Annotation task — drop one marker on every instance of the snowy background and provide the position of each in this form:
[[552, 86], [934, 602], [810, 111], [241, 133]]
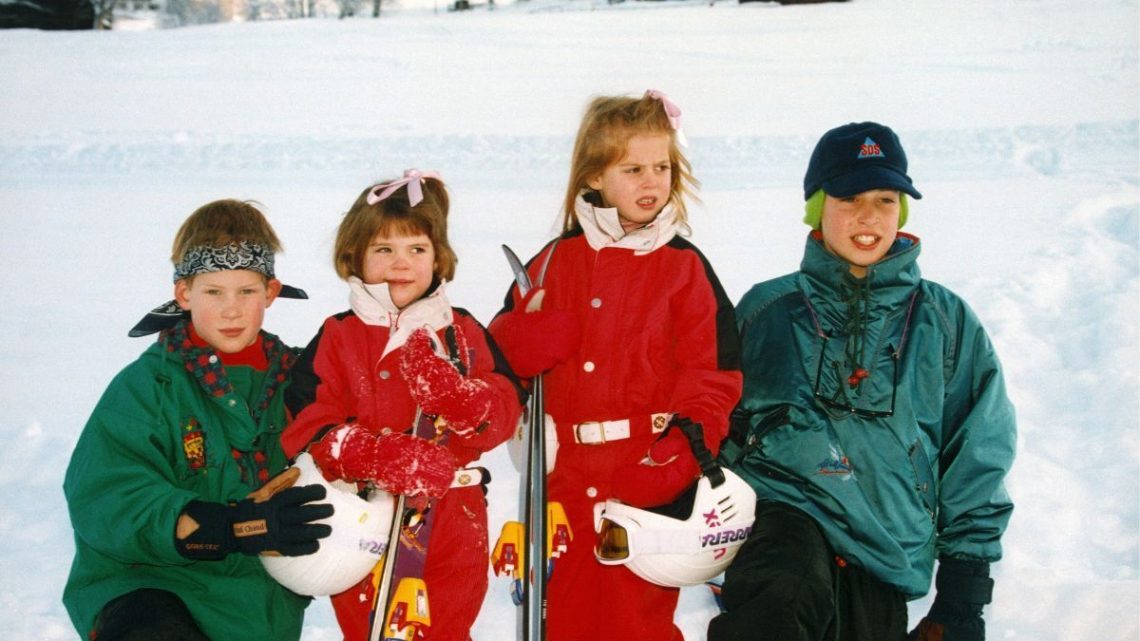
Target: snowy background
[[1020, 118]]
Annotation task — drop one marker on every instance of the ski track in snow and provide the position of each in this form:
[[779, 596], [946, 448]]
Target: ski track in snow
[[989, 153]]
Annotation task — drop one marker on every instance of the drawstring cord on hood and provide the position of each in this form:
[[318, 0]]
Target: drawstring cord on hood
[[856, 293]]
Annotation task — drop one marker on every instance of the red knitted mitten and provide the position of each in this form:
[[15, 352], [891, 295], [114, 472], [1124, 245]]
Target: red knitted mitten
[[440, 390], [397, 463]]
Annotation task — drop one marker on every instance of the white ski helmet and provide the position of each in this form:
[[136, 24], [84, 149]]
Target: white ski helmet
[[359, 537], [684, 543]]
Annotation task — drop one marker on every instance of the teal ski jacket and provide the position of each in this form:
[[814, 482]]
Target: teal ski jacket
[[173, 427], [877, 406]]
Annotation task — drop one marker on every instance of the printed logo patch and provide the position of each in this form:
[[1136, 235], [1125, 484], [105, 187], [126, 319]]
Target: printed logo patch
[[837, 465], [194, 443], [256, 527], [721, 537], [871, 149]]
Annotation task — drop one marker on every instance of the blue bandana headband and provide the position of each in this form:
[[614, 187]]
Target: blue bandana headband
[[204, 259]]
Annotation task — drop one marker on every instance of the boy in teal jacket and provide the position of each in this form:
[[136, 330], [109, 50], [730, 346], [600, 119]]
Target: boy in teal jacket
[[874, 426], [161, 484]]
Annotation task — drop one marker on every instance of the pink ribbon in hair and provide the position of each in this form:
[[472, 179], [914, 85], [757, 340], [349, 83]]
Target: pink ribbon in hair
[[413, 178], [671, 108], [672, 111]]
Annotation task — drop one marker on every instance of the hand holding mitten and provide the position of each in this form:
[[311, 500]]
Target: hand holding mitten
[[397, 463], [440, 389]]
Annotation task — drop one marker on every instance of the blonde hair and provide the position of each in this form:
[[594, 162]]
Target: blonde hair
[[224, 222], [603, 138], [395, 215]]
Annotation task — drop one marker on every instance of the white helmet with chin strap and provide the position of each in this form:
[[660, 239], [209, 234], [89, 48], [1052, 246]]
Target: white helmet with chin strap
[[686, 542], [359, 537]]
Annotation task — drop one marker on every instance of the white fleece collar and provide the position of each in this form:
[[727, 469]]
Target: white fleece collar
[[602, 228], [373, 305]]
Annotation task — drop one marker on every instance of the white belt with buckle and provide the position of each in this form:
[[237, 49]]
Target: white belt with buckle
[[598, 432]]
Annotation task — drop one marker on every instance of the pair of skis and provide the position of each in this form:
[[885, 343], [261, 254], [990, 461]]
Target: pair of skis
[[524, 550]]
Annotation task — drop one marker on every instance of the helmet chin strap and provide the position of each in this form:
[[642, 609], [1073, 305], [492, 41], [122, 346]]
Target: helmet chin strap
[[696, 434]]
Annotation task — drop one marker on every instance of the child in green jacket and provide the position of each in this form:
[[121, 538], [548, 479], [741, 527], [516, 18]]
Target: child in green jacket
[[874, 425], [161, 484]]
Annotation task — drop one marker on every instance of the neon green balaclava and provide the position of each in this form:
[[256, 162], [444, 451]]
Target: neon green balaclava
[[813, 209]]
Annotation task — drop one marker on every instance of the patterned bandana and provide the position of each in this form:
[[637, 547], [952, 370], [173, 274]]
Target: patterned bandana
[[204, 259]]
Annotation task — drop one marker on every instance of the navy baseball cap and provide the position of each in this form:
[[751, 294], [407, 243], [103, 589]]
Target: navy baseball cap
[[855, 158]]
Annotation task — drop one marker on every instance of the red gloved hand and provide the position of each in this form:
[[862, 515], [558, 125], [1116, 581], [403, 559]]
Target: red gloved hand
[[440, 390], [668, 470], [397, 463], [534, 340]]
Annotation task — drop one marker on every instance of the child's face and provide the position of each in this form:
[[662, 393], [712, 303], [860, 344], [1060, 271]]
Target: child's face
[[227, 307], [638, 184], [406, 263], [860, 229]]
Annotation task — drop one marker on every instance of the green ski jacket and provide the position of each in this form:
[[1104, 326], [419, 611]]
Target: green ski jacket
[[877, 406], [172, 428]]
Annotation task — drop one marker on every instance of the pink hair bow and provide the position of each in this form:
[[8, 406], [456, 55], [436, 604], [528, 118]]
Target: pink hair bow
[[671, 110], [413, 178]]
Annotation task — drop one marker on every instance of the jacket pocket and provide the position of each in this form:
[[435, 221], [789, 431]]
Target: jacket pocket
[[924, 477], [743, 438]]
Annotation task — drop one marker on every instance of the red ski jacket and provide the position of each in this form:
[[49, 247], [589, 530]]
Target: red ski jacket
[[658, 335], [341, 377]]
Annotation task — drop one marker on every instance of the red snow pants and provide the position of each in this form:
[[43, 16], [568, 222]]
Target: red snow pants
[[455, 572], [588, 601]]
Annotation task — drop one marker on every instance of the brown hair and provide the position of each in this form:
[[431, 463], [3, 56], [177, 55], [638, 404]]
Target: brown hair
[[222, 222], [607, 126], [395, 214]]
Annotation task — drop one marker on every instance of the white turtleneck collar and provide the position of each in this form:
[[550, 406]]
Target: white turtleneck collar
[[373, 305], [602, 227]]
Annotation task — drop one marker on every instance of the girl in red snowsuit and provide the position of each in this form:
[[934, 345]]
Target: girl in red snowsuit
[[356, 389], [634, 329]]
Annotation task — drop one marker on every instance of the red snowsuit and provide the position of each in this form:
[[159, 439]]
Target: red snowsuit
[[658, 336], [342, 377]]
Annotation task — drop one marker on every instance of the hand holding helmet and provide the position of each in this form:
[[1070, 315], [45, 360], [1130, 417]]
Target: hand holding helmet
[[669, 468], [359, 538], [690, 540], [283, 523]]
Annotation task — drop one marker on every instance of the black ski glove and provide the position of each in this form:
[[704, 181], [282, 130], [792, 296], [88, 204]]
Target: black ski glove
[[282, 524], [963, 587]]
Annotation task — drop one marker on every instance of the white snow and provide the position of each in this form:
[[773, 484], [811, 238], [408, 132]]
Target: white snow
[[1020, 118]]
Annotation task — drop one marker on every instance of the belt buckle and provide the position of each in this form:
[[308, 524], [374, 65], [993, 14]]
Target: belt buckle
[[601, 432]]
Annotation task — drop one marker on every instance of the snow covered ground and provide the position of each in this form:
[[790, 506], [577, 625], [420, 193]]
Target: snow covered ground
[[1020, 118]]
